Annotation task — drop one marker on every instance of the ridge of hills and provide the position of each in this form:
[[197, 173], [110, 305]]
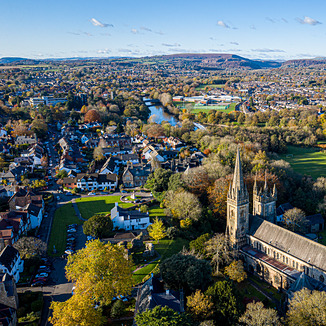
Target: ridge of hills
[[209, 61]]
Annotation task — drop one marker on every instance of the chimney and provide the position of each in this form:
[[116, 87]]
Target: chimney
[[116, 204], [149, 298], [167, 292], [151, 287]]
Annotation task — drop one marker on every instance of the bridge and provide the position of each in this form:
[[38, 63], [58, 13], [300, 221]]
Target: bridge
[[148, 100]]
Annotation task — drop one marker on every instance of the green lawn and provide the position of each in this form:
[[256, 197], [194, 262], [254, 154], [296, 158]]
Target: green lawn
[[156, 211], [165, 248], [229, 109], [63, 216], [89, 206], [306, 160], [202, 87]]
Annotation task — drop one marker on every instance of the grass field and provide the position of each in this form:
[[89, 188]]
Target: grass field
[[166, 248], [156, 211], [89, 206], [63, 216], [202, 87], [230, 108], [310, 160]]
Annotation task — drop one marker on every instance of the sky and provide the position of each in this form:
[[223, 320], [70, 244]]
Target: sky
[[277, 30]]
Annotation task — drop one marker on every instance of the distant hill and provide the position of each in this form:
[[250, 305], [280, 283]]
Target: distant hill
[[205, 61], [220, 61], [14, 60], [304, 62]]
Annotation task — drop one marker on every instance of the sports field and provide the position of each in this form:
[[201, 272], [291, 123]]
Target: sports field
[[206, 109], [202, 87], [307, 160]]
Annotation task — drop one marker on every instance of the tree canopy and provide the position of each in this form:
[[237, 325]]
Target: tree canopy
[[162, 316], [98, 226], [185, 271]]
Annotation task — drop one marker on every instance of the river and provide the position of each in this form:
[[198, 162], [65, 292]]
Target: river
[[158, 114]]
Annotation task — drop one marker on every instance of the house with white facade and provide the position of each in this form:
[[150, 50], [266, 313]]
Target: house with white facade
[[129, 220], [10, 262]]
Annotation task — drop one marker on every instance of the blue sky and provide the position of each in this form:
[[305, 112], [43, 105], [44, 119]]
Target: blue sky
[[101, 28]]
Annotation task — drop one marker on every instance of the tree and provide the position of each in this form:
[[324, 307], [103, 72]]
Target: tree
[[78, 310], [200, 305], [176, 182], [186, 271], [101, 271], [257, 315], [118, 309], [226, 310], [199, 244], [92, 116], [157, 230], [158, 180], [98, 226], [218, 250], [307, 308], [30, 246], [162, 316], [295, 220], [235, 271], [183, 205], [98, 154], [61, 174]]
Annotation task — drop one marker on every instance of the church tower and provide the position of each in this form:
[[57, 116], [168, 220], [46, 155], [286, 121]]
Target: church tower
[[264, 202], [237, 208]]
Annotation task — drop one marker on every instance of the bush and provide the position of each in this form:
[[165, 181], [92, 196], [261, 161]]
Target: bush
[[29, 318], [37, 305], [172, 232], [117, 309]]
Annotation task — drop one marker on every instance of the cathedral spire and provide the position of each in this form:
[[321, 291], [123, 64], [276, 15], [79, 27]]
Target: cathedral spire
[[255, 190], [237, 184], [265, 185], [238, 190]]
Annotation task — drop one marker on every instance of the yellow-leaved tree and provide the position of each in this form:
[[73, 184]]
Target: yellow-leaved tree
[[100, 272], [157, 230], [200, 305], [235, 271]]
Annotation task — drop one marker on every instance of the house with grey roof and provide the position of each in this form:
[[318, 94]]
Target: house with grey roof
[[10, 262], [128, 219]]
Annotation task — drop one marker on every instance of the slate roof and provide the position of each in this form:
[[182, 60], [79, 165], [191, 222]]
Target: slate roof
[[289, 242], [152, 294], [6, 315], [8, 257], [283, 208], [315, 219], [127, 214]]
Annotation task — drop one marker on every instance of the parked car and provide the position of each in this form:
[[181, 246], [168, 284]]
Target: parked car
[[44, 270], [42, 275], [69, 252], [72, 231], [39, 279], [38, 283], [91, 194]]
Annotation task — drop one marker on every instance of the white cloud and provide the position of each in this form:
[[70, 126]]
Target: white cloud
[[105, 51], [308, 20], [134, 31], [96, 22], [252, 27], [147, 29], [267, 50], [171, 45], [234, 43], [223, 24]]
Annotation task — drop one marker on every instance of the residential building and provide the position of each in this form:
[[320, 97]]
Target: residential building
[[129, 220]]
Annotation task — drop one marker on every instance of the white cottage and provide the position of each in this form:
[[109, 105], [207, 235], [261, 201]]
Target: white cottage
[[129, 220]]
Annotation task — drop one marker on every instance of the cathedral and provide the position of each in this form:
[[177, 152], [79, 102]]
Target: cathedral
[[278, 256]]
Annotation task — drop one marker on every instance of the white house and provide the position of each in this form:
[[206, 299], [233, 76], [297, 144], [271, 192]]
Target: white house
[[10, 262], [35, 215], [129, 220]]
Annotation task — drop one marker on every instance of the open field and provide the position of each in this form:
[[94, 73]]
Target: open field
[[201, 87], [89, 206], [229, 109], [306, 160], [63, 216], [165, 248]]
